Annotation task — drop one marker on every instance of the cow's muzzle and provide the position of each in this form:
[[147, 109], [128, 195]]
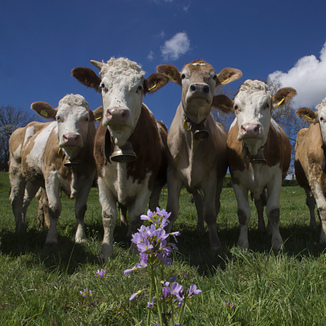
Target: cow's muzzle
[[117, 115], [250, 130]]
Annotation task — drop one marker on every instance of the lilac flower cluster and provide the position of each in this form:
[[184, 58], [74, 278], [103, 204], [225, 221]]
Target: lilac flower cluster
[[151, 241], [176, 290], [85, 293]]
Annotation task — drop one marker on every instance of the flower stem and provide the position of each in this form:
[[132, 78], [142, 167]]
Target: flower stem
[[158, 297], [150, 295]]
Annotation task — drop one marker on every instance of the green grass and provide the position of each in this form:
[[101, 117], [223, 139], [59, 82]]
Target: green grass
[[40, 285]]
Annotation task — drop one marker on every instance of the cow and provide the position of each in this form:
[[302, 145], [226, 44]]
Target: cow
[[130, 145], [258, 152], [310, 163], [55, 156], [197, 144]]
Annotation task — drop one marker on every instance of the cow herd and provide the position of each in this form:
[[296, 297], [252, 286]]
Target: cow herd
[[130, 156]]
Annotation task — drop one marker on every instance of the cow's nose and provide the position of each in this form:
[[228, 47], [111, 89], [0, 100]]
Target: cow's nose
[[117, 114], [71, 139], [251, 129], [204, 88]]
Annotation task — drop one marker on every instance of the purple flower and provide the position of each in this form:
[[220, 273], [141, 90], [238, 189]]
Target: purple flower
[[177, 290], [151, 304], [134, 295], [193, 290], [229, 306], [100, 273], [85, 293]]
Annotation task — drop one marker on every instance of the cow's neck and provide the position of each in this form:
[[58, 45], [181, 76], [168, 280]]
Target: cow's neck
[[254, 158], [198, 130]]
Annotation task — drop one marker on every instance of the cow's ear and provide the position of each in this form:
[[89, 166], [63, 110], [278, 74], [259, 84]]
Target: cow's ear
[[87, 77], [44, 109], [223, 103], [98, 113], [154, 82], [283, 96], [306, 114], [171, 71], [228, 75]]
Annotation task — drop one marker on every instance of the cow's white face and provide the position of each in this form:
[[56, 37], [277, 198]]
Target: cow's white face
[[122, 87], [253, 110], [73, 119], [198, 81], [321, 112]]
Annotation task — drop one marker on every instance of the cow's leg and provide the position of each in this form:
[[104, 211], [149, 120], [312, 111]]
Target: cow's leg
[[109, 218], [123, 214], [17, 190], [273, 211], [321, 207], [31, 189], [80, 210], [210, 212], [138, 208], [260, 212], [310, 202], [43, 217], [52, 186], [174, 188], [241, 194], [154, 200], [199, 203]]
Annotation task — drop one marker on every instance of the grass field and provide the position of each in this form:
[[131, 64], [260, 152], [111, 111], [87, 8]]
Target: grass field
[[40, 285]]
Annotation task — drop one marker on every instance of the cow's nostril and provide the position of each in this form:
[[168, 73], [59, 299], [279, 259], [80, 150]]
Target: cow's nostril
[[206, 89], [192, 88]]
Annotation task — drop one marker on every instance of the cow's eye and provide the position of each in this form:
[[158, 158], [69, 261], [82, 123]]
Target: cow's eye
[[58, 118], [266, 106], [103, 88], [139, 89], [321, 119], [183, 76], [236, 108]]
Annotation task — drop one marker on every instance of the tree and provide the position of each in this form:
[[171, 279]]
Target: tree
[[10, 119]]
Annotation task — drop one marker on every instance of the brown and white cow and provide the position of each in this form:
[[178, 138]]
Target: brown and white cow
[[129, 145], [54, 155], [197, 144], [259, 153], [310, 162]]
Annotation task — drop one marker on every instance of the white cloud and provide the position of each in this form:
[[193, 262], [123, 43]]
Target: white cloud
[[308, 77], [150, 55], [172, 49]]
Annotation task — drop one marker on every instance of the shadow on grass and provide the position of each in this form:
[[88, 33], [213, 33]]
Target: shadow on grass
[[66, 256], [299, 242]]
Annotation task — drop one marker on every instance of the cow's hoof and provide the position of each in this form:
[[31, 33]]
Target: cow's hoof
[[106, 252]]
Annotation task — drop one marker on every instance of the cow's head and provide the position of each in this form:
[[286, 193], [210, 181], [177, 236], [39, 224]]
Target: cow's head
[[122, 85], [74, 119], [253, 105], [198, 80], [319, 117]]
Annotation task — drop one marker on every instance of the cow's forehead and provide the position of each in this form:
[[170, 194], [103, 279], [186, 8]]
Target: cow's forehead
[[72, 103], [122, 68], [321, 108], [199, 66], [254, 91]]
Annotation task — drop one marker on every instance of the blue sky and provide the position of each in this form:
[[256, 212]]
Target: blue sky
[[42, 41]]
